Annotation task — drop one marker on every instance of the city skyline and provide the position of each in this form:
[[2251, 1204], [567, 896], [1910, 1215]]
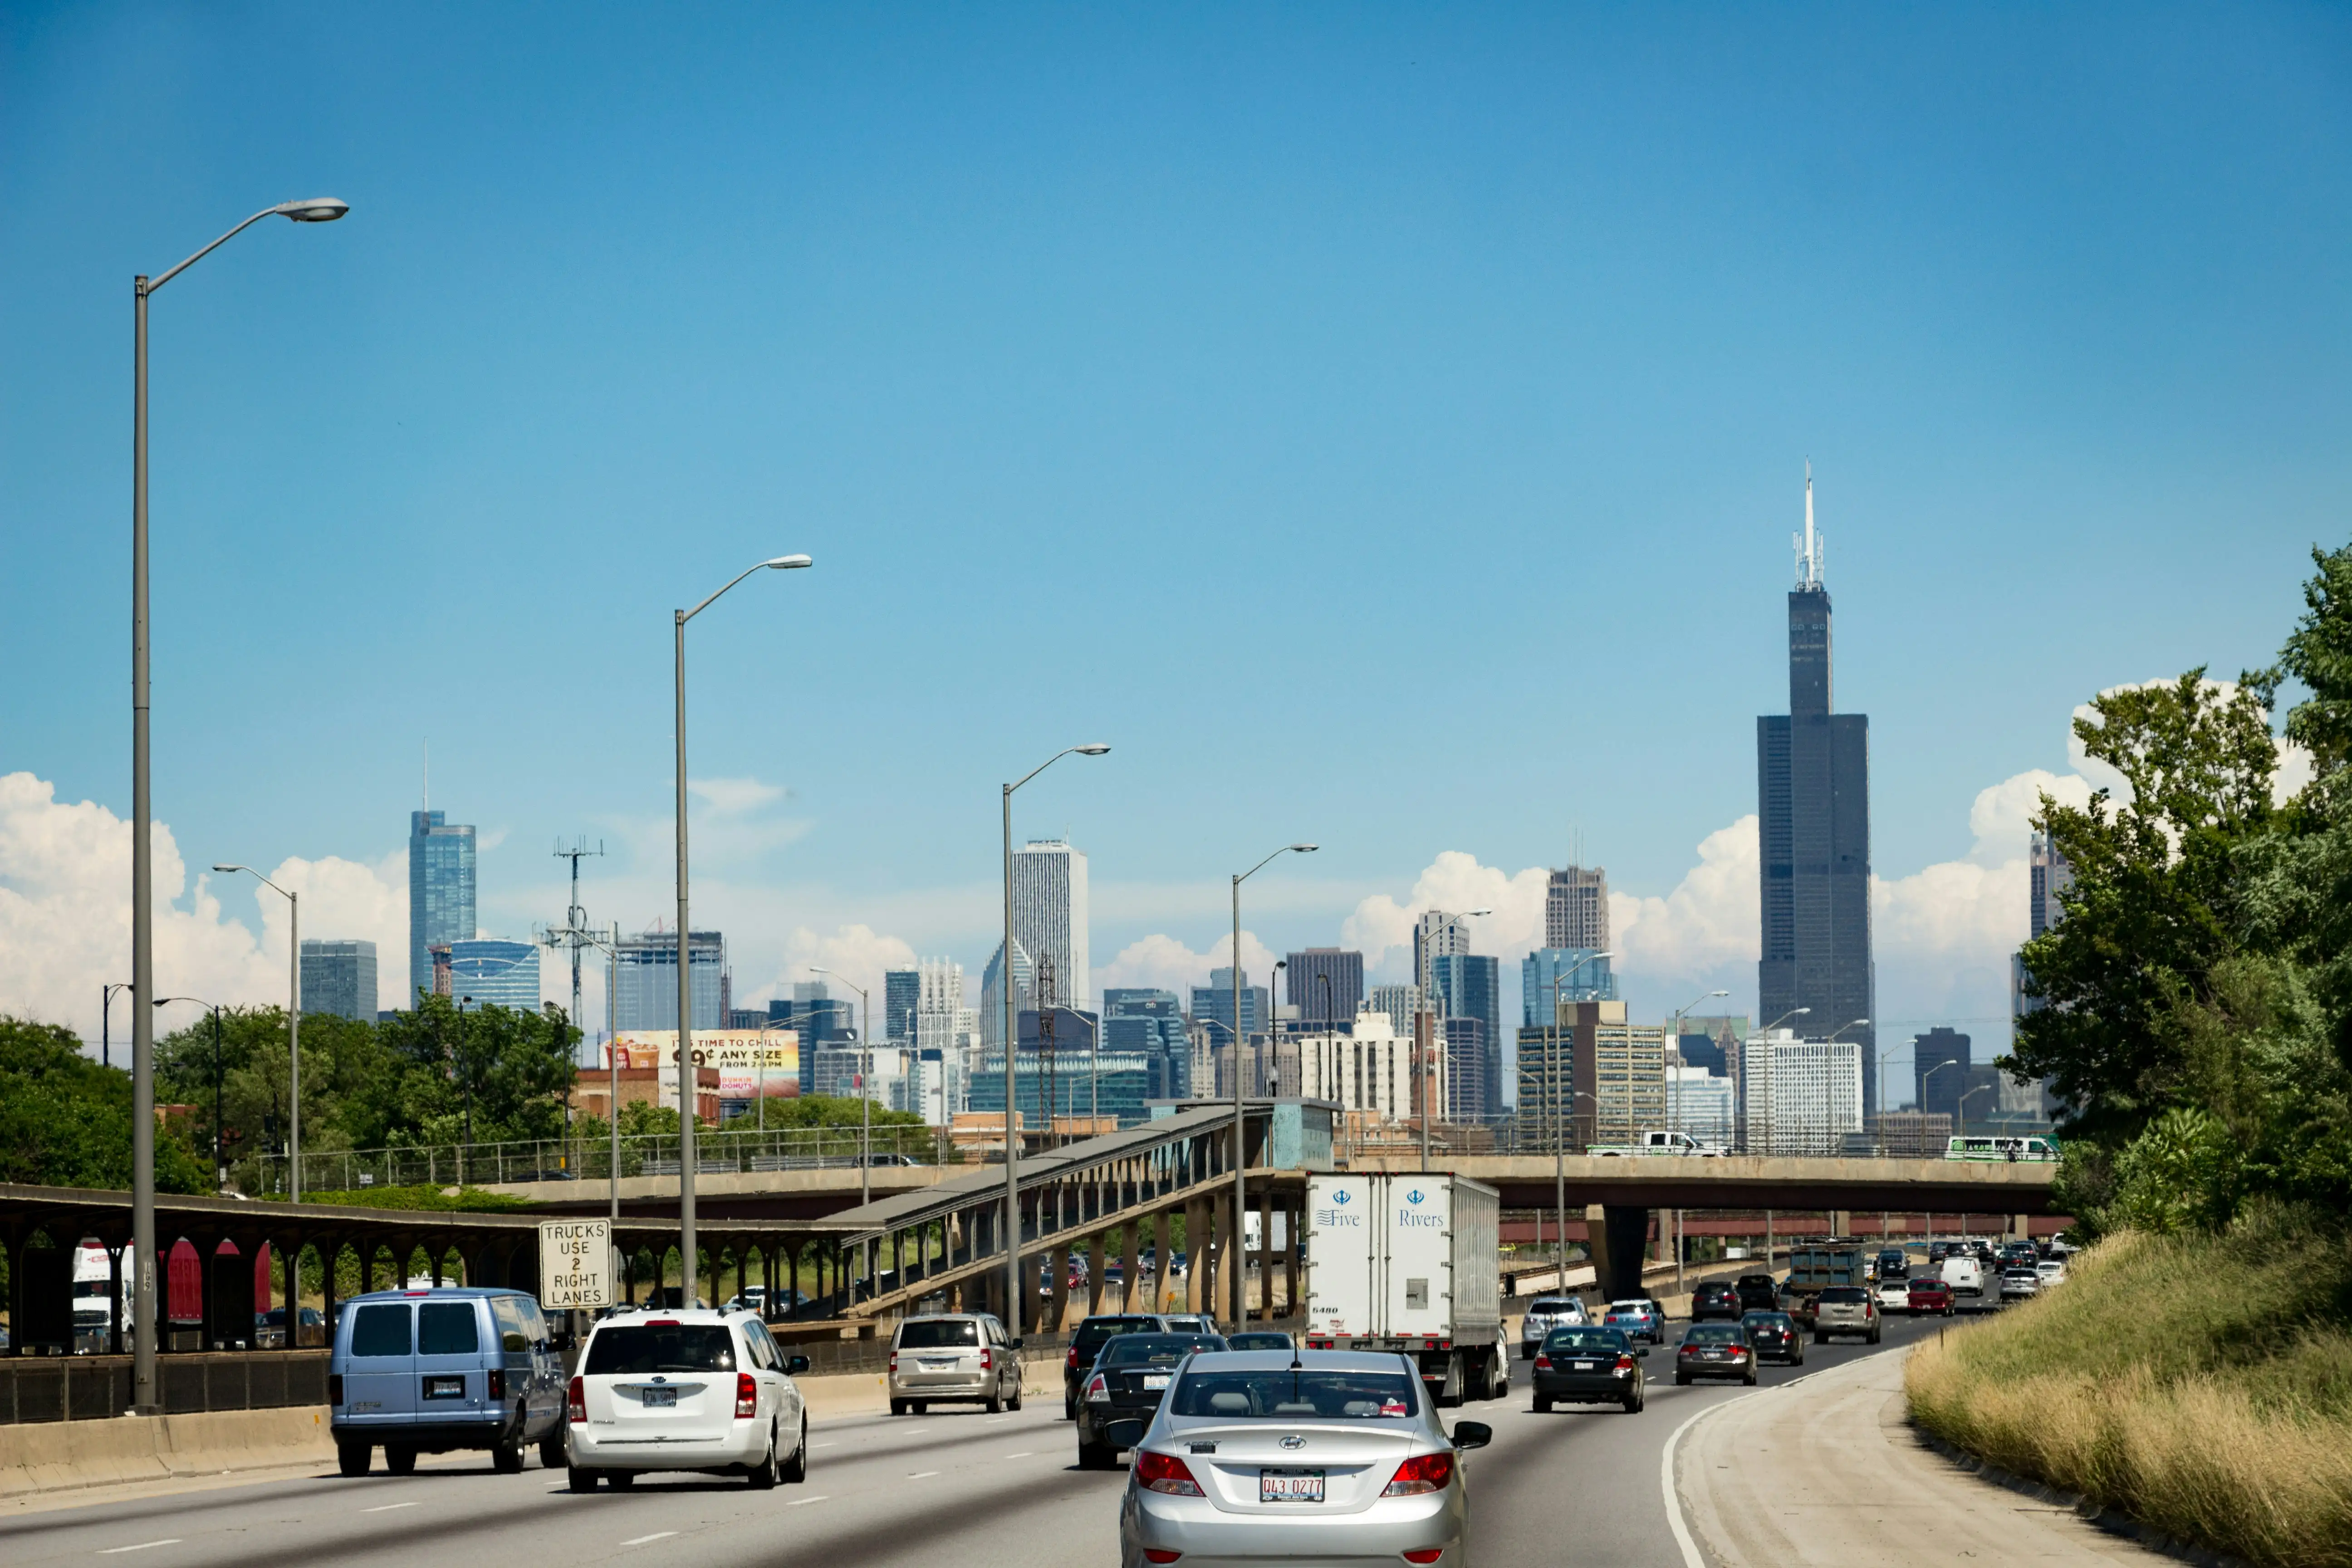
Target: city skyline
[[2000, 384]]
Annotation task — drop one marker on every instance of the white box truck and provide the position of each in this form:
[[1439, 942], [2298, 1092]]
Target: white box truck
[[1410, 1263]]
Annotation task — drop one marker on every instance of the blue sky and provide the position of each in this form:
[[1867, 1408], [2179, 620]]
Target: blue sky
[[1382, 424]]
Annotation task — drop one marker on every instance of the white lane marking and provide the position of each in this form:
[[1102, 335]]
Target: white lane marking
[[1691, 1558], [922, 1475], [1023, 1454], [387, 1507], [657, 1535], [824, 1445], [795, 1502], [1000, 1421], [141, 1546]]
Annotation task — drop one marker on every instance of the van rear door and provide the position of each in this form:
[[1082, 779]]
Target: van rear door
[[380, 1368], [451, 1372]]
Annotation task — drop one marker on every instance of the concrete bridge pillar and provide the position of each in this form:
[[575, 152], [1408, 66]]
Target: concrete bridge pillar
[[1616, 1237], [1130, 1267], [1057, 1270]]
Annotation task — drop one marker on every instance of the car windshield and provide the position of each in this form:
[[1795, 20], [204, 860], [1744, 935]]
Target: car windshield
[[1095, 1330], [1137, 1350], [1841, 1295], [1713, 1334], [639, 1348], [1580, 1340], [938, 1333], [1276, 1393]]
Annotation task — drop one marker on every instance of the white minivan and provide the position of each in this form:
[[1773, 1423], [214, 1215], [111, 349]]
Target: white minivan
[[690, 1390], [1966, 1278]]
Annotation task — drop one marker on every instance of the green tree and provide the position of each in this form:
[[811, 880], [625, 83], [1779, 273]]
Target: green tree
[[65, 1121], [511, 1068]]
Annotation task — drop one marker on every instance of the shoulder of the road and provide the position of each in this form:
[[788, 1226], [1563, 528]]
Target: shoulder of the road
[[1828, 1469]]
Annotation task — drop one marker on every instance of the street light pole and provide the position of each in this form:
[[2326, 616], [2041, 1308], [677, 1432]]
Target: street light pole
[[293, 1030], [1240, 1272], [686, 1074], [106, 1022], [146, 1394], [1013, 1287]]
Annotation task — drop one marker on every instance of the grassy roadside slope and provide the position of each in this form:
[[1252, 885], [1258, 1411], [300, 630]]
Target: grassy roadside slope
[[2201, 1384]]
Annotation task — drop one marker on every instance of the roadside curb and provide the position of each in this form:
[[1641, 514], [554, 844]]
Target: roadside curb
[[2113, 1521]]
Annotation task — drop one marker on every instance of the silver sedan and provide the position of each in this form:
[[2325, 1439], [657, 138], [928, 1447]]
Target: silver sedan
[[1322, 1457]]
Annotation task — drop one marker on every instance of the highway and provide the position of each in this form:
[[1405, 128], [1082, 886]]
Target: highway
[[1582, 1484]]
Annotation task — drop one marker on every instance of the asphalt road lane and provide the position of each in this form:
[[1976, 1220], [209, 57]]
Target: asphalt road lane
[[1581, 1484]]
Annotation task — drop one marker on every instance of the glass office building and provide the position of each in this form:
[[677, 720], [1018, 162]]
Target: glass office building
[[645, 986], [338, 977], [495, 973], [440, 893]]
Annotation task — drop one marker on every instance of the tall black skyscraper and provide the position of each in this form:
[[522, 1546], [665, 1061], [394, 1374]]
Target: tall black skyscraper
[[1812, 796]]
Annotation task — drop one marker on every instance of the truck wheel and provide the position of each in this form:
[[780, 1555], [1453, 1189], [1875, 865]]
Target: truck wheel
[[352, 1458], [507, 1458], [1543, 1405], [1097, 1456]]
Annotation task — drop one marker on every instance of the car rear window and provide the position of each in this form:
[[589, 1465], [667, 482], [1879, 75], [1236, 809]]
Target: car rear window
[[1593, 1340], [381, 1329], [1844, 1294], [1550, 1305], [1135, 1350], [1713, 1334], [1768, 1320], [446, 1328], [1276, 1395], [1628, 1306], [938, 1333], [671, 1347], [1092, 1333]]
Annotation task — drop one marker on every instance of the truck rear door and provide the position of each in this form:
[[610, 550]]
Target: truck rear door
[[1419, 1284], [1343, 1226]]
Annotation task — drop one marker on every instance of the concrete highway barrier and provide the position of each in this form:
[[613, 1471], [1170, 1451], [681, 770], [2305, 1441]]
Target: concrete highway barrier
[[56, 1456]]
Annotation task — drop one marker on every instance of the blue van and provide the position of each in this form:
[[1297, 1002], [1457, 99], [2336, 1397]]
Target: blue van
[[424, 1371]]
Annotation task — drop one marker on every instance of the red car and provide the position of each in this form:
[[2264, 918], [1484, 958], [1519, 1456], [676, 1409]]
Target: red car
[[1929, 1296]]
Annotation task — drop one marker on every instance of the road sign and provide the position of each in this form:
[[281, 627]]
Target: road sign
[[576, 1263]]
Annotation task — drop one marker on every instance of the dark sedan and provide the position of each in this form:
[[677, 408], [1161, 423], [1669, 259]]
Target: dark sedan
[[1714, 1349], [1759, 1292], [1774, 1336], [1087, 1342], [1589, 1366], [1715, 1299], [1123, 1392]]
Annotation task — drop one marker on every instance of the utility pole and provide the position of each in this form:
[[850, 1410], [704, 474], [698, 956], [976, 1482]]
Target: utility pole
[[575, 935]]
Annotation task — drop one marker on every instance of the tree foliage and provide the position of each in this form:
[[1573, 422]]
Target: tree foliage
[[65, 1121], [2198, 992]]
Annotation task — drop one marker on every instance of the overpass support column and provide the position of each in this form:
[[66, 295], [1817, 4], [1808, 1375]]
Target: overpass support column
[[1622, 1233], [1196, 1256], [1057, 1270], [1294, 1218], [1840, 1222], [1130, 1265]]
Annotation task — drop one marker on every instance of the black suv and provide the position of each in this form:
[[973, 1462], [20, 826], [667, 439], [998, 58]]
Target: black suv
[[1087, 1342], [1715, 1299], [1759, 1293]]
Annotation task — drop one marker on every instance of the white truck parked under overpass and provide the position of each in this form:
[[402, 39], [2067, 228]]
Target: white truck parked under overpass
[[1409, 1263]]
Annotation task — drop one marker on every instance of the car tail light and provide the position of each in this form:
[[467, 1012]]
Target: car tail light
[[747, 1395], [1424, 1555], [1160, 1555], [578, 1400], [1071, 1360], [1624, 1363], [1422, 1473], [1166, 1473], [1097, 1391], [661, 1322], [987, 1360], [1543, 1363], [498, 1385]]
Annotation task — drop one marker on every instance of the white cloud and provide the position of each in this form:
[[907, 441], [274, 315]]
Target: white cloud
[[64, 915], [1163, 963], [1381, 926], [734, 797], [857, 954]]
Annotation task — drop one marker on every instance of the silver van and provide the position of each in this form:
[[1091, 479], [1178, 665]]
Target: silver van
[[952, 1358], [424, 1372]]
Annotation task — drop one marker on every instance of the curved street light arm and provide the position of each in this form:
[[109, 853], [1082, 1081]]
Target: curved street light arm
[[162, 278]]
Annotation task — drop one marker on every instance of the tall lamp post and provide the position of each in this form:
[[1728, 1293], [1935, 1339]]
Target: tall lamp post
[[1675, 1113], [1560, 1129], [293, 1028], [686, 1075], [1013, 1288], [145, 1396], [1842, 1028], [1237, 1265]]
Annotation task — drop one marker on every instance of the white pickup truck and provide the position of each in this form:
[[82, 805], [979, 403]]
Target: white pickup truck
[[1664, 1144]]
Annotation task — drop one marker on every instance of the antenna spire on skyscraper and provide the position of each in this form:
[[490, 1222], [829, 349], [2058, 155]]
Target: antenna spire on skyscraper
[[1808, 544]]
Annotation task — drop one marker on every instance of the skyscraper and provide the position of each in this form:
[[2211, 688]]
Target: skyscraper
[[1326, 985], [644, 976], [1151, 1024], [440, 893], [1573, 974], [992, 992], [1576, 909], [1049, 915], [1468, 985], [1812, 788], [1437, 934], [1212, 1005], [498, 974], [338, 977], [902, 991]]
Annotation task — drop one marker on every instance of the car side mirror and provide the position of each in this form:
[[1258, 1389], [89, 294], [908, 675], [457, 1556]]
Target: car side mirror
[[1641, 1353], [1016, 1343], [795, 1363], [1468, 1435]]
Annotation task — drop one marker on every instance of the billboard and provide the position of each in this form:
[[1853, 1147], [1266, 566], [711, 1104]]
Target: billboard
[[750, 1062]]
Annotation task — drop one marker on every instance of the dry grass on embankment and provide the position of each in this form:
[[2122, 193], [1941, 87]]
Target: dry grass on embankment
[[2202, 1384]]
